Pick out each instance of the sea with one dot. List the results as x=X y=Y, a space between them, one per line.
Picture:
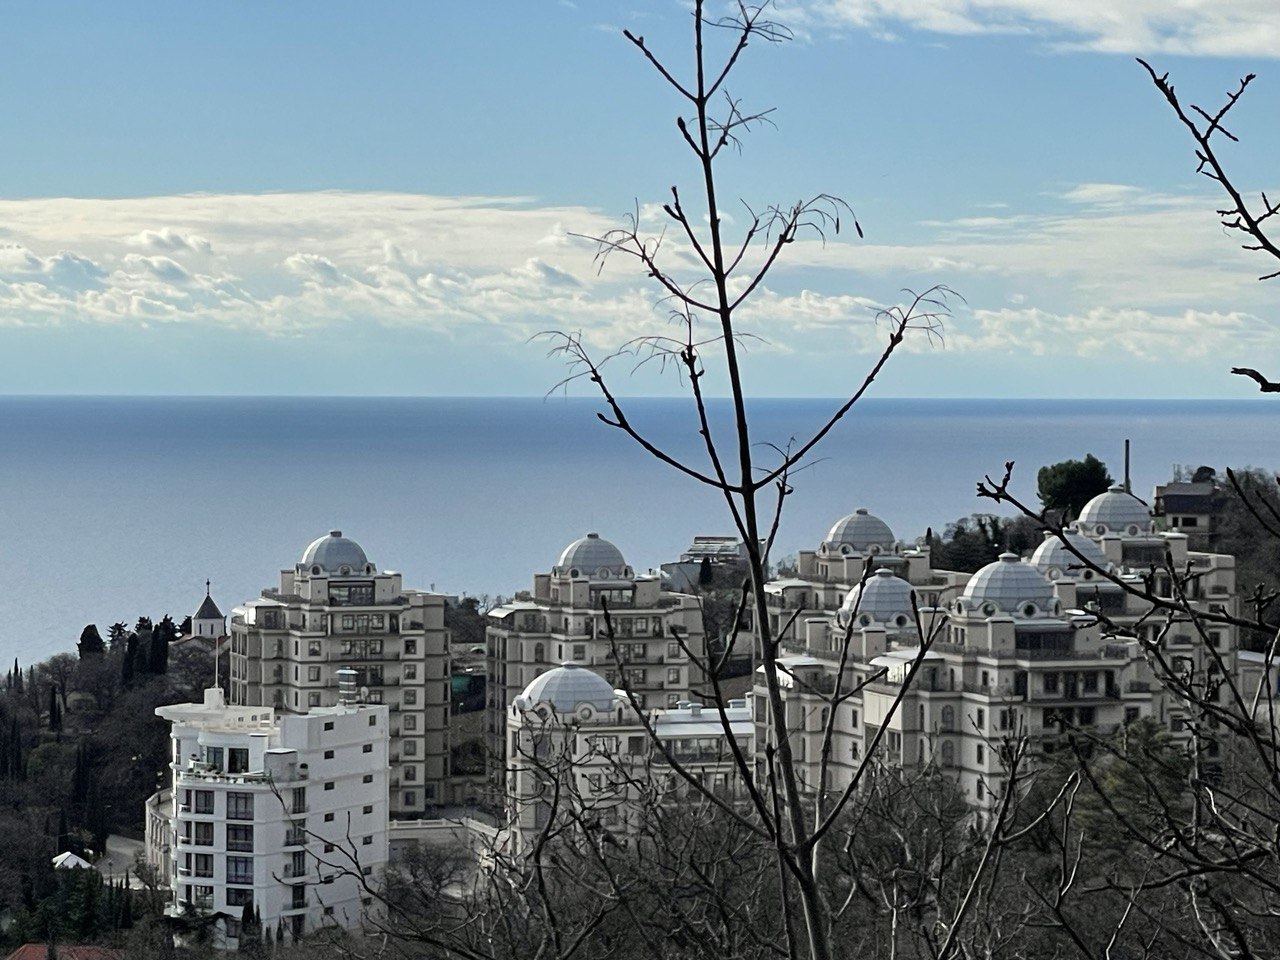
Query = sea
x=120 y=507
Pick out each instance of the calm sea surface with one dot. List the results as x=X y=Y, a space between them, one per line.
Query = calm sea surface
x=115 y=508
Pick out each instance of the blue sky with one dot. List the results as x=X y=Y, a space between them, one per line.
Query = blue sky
x=369 y=199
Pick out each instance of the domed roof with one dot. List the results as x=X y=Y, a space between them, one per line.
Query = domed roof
x=860 y=531
x=883 y=599
x=1008 y=587
x=1114 y=512
x=335 y=554
x=1054 y=560
x=567 y=687
x=592 y=557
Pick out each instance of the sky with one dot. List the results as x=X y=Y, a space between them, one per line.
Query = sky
x=391 y=199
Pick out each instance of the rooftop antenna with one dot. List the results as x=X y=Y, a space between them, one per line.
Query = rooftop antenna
x=1127 y=487
x=217 y=651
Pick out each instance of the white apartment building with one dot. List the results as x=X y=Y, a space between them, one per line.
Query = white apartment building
x=578 y=752
x=564 y=620
x=333 y=610
x=284 y=813
x=1037 y=647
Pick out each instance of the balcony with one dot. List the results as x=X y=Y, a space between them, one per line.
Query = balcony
x=293 y=838
x=294 y=873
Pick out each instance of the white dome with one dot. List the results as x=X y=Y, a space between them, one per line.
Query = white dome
x=567 y=687
x=1009 y=587
x=1054 y=560
x=335 y=554
x=1115 y=512
x=592 y=557
x=884 y=599
x=860 y=531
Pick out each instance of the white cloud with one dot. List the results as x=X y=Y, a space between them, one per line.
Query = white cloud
x=1237 y=28
x=1111 y=270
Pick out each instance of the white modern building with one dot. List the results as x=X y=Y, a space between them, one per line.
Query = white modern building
x=282 y=813
x=565 y=620
x=332 y=610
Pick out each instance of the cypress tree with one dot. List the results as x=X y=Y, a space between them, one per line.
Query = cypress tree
x=126 y=910
x=17 y=676
x=127 y=662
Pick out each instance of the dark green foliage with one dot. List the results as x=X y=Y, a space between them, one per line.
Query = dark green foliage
x=972 y=542
x=118 y=633
x=705 y=575
x=466 y=620
x=1067 y=486
x=1204 y=474
x=163 y=634
x=91 y=643
x=128 y=663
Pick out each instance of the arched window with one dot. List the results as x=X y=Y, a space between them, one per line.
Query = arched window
x=948 y=753
x=948 y=718
x=539 y=653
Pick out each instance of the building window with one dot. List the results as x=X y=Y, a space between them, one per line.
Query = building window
x=204 y=864
x=980 y=720
x=1050 y=683
x=410 y=773
x=203 y=834
x=410 y=698
x=328 y=725
x=239 y=869
x=673 y=651
x=410 y=798
x=239 y=806
x=313 y=674
x=981 y=790
x=328 y=785
x=328 y=754
x=982 y=754
x=411 y=671
x=411 y=647
x=328 y=848
x=204 y=801
x=368 y=778
x=411 y=748
x=1091 y=682
x=328 y=817
x=673 y=674
x=368 y=808
x=367 y=748
x=239 y=896
x=373 y=718
x=313 y=648
x=367 y=842
x=580 y=652
x=411 y=722
x=240 y=837
x=313 y=699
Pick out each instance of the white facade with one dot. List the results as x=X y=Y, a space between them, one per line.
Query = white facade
x=335 y=610
x=577 y=751
x=281 y=811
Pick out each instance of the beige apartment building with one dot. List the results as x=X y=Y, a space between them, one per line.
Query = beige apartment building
x=1037 y=647
x=333 y=610
x=564 y=620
